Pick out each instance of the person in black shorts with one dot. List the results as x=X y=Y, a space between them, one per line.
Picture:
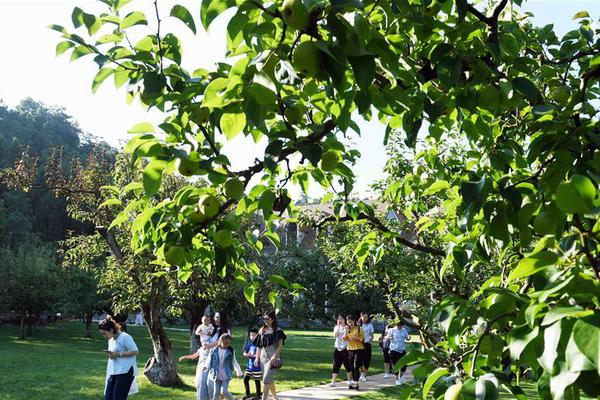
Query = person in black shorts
x=340 y=352
x=369 y=331
x=384 y=344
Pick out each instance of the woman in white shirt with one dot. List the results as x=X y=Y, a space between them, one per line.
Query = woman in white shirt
x=340 y=351
x=397 y=337
x=121 y=369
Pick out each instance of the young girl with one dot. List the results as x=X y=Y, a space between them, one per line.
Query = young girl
x=221 y=366
x=355 y=337
x=340 y=352
x=253 y=371
x=121 y=369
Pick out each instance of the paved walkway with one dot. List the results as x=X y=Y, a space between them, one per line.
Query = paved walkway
x=324 y=392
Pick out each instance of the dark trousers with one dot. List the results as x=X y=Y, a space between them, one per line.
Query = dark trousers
x=341 y=357
x=247 y=380
x=117 y=387
x=356 y=359
x=395 y=356
x=368 y=355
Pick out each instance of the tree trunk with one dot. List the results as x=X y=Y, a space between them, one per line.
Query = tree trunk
x=87 y=319
x=23 y=325
x=159 y=369
x=29 y=323
x=196 y=312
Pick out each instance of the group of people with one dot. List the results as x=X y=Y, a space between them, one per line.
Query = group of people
x=353 y=349
x=217 y=362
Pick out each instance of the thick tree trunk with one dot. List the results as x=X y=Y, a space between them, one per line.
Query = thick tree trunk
x=87 y=319
x=196 y=311
x=160 y=369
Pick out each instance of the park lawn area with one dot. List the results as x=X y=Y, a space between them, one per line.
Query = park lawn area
x=59 y=363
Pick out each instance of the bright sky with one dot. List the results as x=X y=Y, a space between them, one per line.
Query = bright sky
x=28 y=68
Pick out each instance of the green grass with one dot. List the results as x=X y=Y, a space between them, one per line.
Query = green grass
x=59 y=363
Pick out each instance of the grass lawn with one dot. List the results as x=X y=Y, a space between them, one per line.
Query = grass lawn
x=59 y=363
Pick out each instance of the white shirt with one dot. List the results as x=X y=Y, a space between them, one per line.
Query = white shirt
x=397 y=338
x=123 y=342
x=338 y=333
x=121 y=365
x=369 y=331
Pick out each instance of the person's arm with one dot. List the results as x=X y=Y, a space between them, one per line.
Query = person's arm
x=335 y=331
x=257 y=358
x=131 y=349
x=194 y=356
x=278 y=349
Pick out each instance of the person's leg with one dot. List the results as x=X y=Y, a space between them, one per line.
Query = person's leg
x=337 y=364
x=368 y=357
x=257 y=386
x=273 y=390
x=203 y=391
x=386 y=362
x=247 y=384
x=225 y=390
x=266 y=391
x=108 y=394
x=122 y=385
x=403 y=369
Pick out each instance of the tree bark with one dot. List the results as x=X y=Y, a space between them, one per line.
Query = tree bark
x=196 y=311
x=87 y=319
x=23 y=325
x=159 y=369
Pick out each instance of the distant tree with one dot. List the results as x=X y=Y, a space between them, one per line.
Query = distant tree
x=31 y=282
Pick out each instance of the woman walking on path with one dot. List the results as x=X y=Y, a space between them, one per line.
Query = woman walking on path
x=398 y=336
x=253 y=371
x=340 y=352
x=221 y=365
x=369 y=332
x=269 y=342
x=356 y=348
x=121 y=369
x=384 y=344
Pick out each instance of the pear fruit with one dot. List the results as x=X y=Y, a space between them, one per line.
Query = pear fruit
x=329 y=160
x=307 y=58
x=175 y=255
x=294 y=113
x=209 y=205
x=223 y=238
x=294 y=14
x=187 y=167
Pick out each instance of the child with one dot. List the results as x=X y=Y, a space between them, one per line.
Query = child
x=205 y=330
x=253 y=372
x=221 y=365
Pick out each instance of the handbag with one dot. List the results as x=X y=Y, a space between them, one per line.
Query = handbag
x=277 y=363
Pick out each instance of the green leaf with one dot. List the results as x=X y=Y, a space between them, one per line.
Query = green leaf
x=436 y=187
x=232 y=124
x=110 y=202
x=63 y=46
x=249 y=294
x=134 y=18
x=519 y=338
x=210 y=9
x=586 y=334
x=77 y=17
x=577 y=196
x=533 y=264
x=279 y=280
x=183 y=14
x=101 y=77
x=526 y=88
x=364 y=70
x=142 y=127
x=432 y=379
x=152 y=176
x=581 y=14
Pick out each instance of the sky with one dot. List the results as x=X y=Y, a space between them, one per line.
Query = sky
x=29 y=68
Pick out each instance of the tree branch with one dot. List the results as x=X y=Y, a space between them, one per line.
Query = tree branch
x=376 y=223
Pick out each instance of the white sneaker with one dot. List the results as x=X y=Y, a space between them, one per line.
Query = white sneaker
x=332 y=384
x=387 y=376
x=363 y=378
x=399 y=381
